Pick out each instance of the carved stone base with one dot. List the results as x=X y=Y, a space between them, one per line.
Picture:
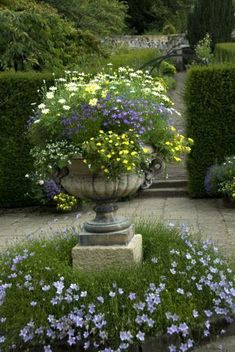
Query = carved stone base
x=111 y=238
x=97 y=258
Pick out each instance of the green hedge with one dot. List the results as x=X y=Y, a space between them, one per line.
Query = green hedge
x=225 y=52
x=17 y=92
x=210 y=104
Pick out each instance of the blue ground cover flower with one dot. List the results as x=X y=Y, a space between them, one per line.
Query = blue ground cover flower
x=43 y=302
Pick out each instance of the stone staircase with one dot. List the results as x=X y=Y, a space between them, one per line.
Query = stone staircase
x=172 y=182
x=166 y=188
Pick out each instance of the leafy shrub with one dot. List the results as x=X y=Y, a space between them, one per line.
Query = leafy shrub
x=220 y=178
x=167 y=68
x=203 y=50
x=34 y=36
x=210 y=97
x=225 y=52
x=18 y=91
x=181 y=287
x=169 y=29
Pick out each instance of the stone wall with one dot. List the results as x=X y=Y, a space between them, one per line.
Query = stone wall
x=162 y=42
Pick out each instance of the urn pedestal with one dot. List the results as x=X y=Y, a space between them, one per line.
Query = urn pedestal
x=108 y=240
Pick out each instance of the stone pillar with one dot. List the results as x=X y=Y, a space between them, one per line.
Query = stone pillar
x=108 y=241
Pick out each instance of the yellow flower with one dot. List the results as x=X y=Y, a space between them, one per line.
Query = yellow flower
x=129 y=168
x=98 y=144
x=125 y=161
x=109 y=156
x=173 y=128
x=191 y=140
x=168 y=143
x=118 y=159
x=145 y=150
x=177 y=159
x=133 y=153
x=93 y=102
x=106 y=171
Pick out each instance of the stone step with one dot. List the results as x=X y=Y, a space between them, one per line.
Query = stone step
x=170 y=183
x=164 y=192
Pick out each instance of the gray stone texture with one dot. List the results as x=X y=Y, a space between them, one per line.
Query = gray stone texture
x=96 y=258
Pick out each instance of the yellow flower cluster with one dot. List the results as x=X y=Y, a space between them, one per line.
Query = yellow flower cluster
x=178 y=145
x=65 y=202
x=114 y=153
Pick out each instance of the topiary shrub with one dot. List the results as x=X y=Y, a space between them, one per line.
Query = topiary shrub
x=17 y=92
x=225 y=52
x=210 y=116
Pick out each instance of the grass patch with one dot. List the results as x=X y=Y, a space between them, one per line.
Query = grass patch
x=181 y=286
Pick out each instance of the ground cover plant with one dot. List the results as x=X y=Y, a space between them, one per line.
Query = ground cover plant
x=181 y=287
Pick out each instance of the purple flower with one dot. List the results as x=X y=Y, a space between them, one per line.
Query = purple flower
x=50 y=189
x=100 y=299
x=132 y=296
x=125 y=336
x=172 y=348
x=140 y=336
x=47 y=348
x=173 y=329
x=2 y=339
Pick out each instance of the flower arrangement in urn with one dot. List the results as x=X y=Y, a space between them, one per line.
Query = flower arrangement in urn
x=108 y=120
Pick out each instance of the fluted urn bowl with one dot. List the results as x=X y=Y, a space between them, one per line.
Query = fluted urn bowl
x=82 y=183
x=106 y=228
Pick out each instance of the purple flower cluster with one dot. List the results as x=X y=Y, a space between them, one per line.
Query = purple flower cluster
x=114 y=113
x=51 y=189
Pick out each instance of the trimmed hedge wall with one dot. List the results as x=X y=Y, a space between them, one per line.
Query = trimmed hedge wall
x=225 y=52
x=210 y=114
x=17 y=92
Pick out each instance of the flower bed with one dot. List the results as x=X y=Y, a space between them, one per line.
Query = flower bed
x=181 y=288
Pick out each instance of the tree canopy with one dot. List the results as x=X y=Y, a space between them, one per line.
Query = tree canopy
x=34 y=36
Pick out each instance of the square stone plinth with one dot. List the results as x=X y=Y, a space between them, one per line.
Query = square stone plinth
x=97 y=258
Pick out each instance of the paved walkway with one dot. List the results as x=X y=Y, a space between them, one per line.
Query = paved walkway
x=206 y=217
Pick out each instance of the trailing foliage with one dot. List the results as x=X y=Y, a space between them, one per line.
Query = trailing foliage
x=214 y=17
x=225 y=52
x=210 y=97
x=17 y=92
x=34 y=36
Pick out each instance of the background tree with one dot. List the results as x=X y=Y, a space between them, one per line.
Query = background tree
x=215 y=17
x=100 y=17
x=34 y=36
x=150 y=15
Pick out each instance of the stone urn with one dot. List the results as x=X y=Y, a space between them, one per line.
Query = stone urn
x=106 y=236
